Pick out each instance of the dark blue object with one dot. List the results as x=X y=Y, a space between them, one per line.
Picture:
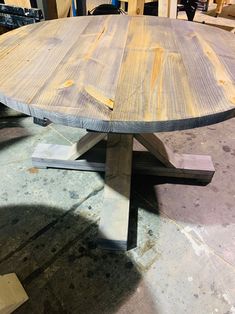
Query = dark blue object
x=116 y=3
x=74 y=8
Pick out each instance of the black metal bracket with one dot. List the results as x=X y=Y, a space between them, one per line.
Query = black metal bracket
x=42 y=122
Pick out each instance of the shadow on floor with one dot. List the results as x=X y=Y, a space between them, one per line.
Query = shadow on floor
x=6 y=112
x=55 y=256
x=214 y=207
x=11 y=132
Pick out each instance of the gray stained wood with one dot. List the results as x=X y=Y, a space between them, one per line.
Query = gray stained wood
x=125 y=74
x=198 y=167
x=114 y=221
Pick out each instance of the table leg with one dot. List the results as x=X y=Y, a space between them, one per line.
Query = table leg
x=113 y=229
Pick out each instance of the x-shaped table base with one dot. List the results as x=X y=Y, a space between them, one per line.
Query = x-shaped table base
x=118 y=163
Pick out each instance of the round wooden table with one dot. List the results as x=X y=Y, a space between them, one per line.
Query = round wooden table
x=123 y=76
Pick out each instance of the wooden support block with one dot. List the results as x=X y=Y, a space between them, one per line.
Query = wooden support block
x=167 y=8
x=86 y=143
x=143 y=163
x=195 y=167
x=172 y=9
x=136 y=7
x=12 y=294
x=161 y=161
x=155 y=145
x=113 y=228
x=47 y=154
x=64 y=8
x=178 y=165
x=163 y=8
x=82 y=165
x=93 y=160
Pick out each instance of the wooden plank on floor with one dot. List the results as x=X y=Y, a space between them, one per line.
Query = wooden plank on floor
x=113 y=228
x=12 y=294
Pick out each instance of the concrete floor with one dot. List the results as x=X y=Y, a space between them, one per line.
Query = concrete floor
x=226 y=20
x=184 y=261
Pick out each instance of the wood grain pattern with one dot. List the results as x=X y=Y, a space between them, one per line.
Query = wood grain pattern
x=196 y=167
x=136 y=7
x=19 y=3
x=121 y=74
x=114 y=221
x=67 y=152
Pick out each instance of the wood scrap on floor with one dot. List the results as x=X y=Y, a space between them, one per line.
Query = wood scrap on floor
x=12 y=294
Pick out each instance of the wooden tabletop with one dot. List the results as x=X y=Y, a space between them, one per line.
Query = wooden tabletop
x=120 y=73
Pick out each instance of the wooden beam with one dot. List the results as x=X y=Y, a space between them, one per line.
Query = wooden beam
x=85 y=143
x=163 y=8
x=113 y=228
x=55 y=9
x=136 y=7
x=173 y=160
x=157 y=148
x=49 y=153
x=19 y=3
x=143 y=163
x=64 y=8
x=167 y=8
x=195 y=167
x=172 y=8
x=185 y=163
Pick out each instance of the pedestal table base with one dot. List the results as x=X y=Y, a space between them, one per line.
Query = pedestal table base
x=118 y=164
